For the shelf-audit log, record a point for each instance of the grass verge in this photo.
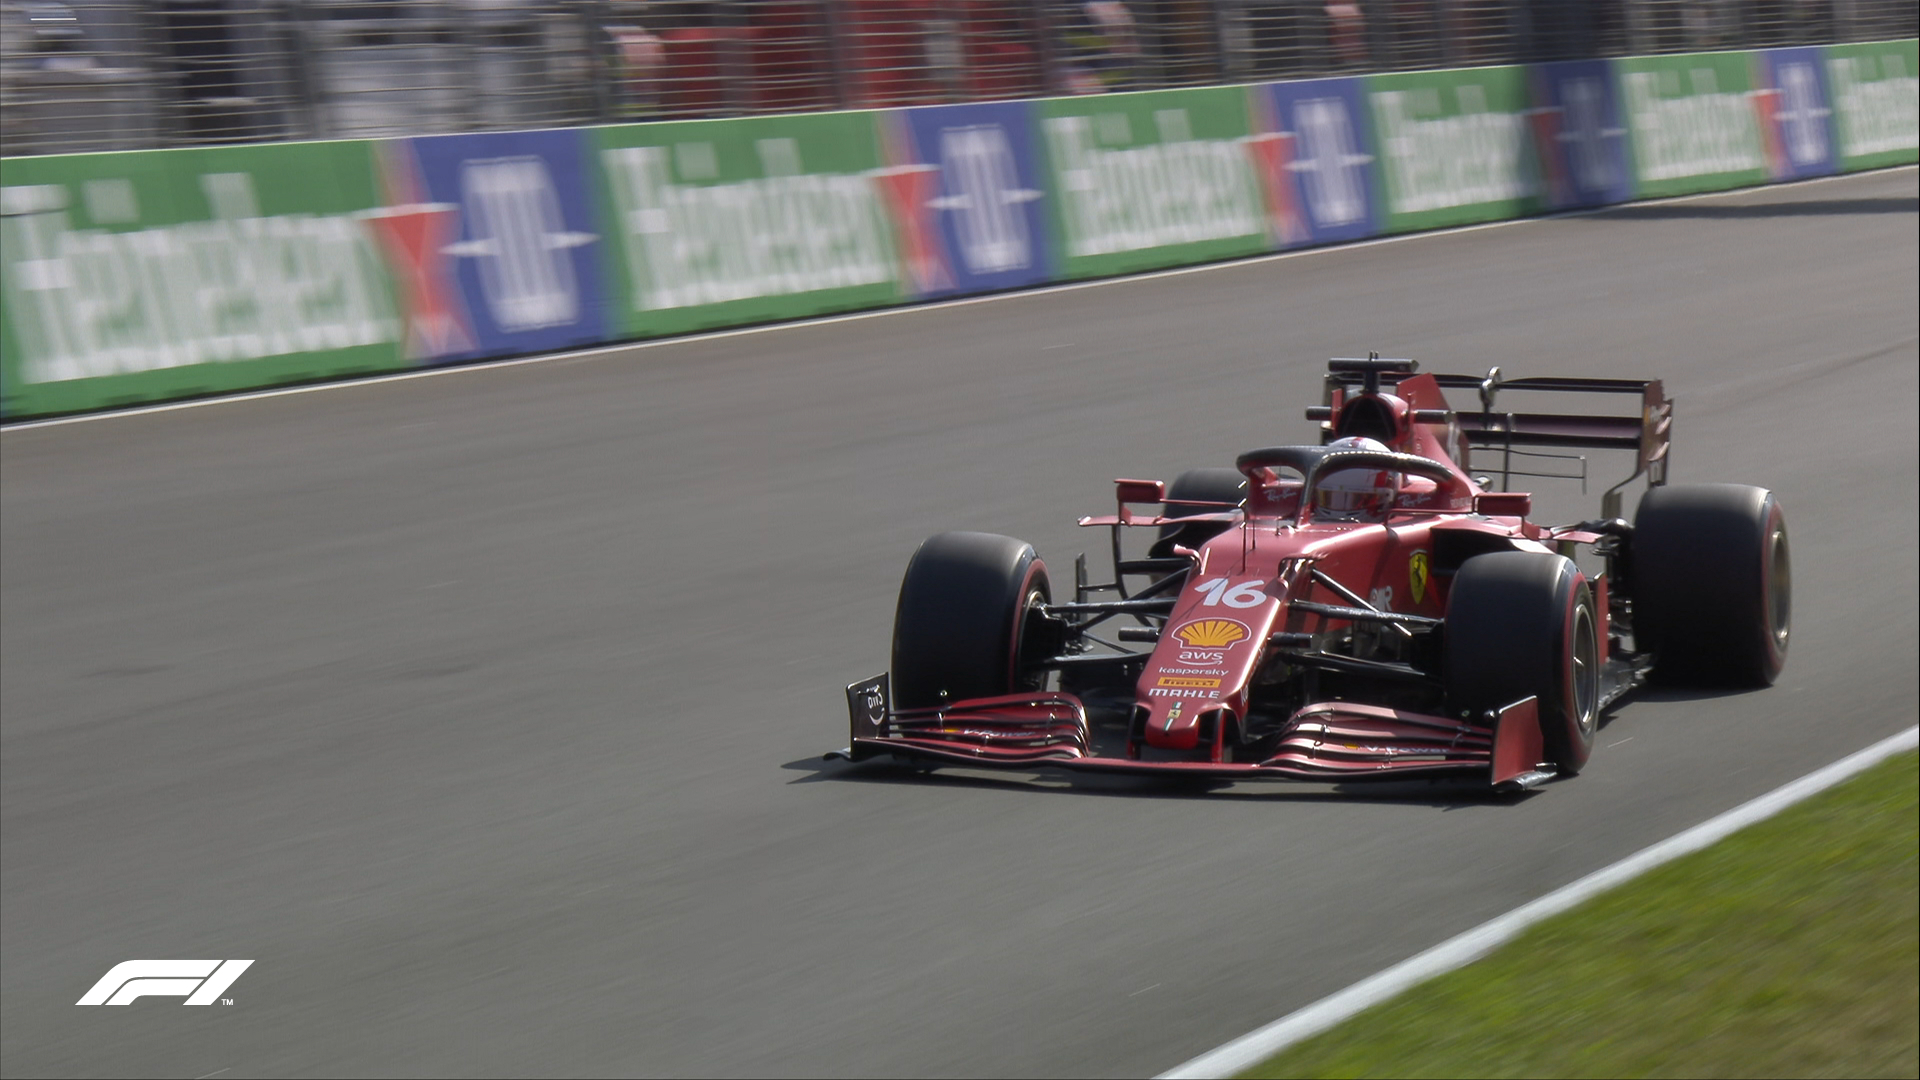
(1792, 948)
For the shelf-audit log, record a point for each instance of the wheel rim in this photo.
(1036, 598)
(1586, 670)
(1779, 588)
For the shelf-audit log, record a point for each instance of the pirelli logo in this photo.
(1185, 682)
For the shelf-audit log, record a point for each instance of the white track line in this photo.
(1256, 1046)
(908, 308)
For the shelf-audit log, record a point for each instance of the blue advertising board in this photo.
(1582, 139)
(1796, 112)
(981, 223)
(1320, 140)
(516, 243)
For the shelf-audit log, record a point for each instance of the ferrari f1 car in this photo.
(1372, 607)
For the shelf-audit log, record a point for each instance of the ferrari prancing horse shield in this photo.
(1417, 576)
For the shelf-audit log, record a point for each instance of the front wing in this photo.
(1337, 741)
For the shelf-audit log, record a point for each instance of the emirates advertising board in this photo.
(139, 277)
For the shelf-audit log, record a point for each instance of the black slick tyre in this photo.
(967, 604)
(1712, 584)
(1198, 491)
(1521, 624)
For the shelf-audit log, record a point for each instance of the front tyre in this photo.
(1712, 583)
(1521, 624)
(967, 618)
(1199, 491)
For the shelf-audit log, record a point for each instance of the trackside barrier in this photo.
(153, 275)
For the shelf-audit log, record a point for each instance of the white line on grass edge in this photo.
(1256, 1046)
(597, 352)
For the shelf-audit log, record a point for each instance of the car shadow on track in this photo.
(1741, 212)
(1438, 794)
(1658, 693)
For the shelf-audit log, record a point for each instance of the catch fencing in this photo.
(90, 75)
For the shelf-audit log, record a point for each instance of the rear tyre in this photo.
(968, 606)
(1712, 583)
(1201, 486)
(1521, 624)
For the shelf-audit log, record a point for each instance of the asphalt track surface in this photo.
(483, 712)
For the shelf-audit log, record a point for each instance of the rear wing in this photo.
(1647, 432)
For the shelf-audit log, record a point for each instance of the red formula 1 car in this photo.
(1361, 609)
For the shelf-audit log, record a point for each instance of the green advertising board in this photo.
(1455, 147)
(1144, 180)
(1876, 102)
(725, 222)
(165, 274)
(1692, 122)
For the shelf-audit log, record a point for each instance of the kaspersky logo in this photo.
(1212, 633)
(201, 982)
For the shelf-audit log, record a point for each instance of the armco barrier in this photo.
(153, 275)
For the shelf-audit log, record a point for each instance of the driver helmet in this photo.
(1355, 494)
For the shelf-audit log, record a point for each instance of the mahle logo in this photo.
(201, 982)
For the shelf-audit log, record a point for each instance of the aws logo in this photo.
(1212, 633)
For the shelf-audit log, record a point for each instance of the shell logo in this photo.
(1212, 633)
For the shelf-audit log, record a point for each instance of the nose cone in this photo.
(1174, 724)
